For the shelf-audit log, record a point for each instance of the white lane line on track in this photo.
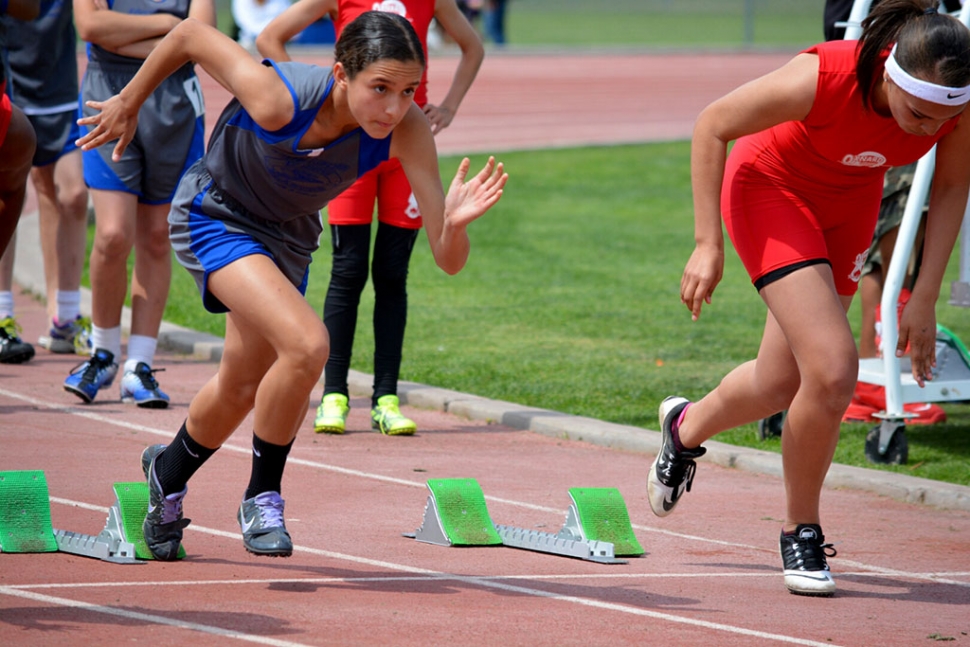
(388, 479)
(471, 580)
(386, 579)
(145, 617)
(292, 460)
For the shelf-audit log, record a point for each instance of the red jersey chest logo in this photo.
(870, 159)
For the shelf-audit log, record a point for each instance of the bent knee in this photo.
(307, 355)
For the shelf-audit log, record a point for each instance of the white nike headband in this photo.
(921, 89)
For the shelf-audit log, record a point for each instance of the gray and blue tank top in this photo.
(43, 59)
(267, 173)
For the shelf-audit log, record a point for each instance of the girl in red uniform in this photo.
(399, 219)
(800, 195)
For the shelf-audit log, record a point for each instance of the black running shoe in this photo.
(163, 524)
(263, 530)
(803, 554)
(672, 471)
(13, 349)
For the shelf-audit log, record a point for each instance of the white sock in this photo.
(108, 339)
(68, 305)
(140, 349)
(6, 304)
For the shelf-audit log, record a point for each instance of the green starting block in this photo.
(600, 514)
(456, 515)
(25, 513)
(597, 526)
(25, 522)
(131, 508)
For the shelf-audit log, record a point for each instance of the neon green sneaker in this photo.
(332, 414)
(387, 418)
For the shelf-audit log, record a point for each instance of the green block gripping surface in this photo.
(603, 517)
(25, 513)
(463, 513)
(133, 506)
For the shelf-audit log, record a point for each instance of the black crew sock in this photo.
(180, 460)
(269, 460)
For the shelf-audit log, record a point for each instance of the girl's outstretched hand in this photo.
(466, 201)
(115, 120)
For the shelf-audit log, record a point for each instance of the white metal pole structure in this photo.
(960, 289)
(897, 268)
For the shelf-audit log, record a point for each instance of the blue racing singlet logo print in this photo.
(870, 159)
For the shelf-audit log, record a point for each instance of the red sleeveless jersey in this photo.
(418, 12)
(841, 145)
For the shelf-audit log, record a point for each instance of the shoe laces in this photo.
(92, 367)
(679, 466)
(334, 406)
(172, 506)
(147, 377)
(10, 328)
(812, 552)
(389, 410)
(82, 334)
(270, 506)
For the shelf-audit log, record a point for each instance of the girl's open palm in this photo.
(115, 120)
(466, 201)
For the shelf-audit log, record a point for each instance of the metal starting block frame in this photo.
(110, 545)
(456, 515)
(25, 522)
(546, 542)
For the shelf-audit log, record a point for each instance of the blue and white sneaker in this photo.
(87, 378)
(263, 531)
(140, 387)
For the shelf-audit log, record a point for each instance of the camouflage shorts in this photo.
(895, 192)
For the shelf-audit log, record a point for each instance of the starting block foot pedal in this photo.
(132, 506)
(25, 513)
(546, 542)
(456, 515)
(600, 515)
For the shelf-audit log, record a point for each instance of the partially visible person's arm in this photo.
(201, 10)
(259, 88)
(446, 218)
(948, 203)
(453, 21)
(786, 94)
(112, 29)
(271, 42)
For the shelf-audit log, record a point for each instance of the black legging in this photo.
(392, 254)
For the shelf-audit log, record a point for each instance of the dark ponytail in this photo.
(376, 35)
(931, 46)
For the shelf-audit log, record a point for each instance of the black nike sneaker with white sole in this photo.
(672, 471)
(803, 554)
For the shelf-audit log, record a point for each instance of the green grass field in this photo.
(652, 23)
(570, 302)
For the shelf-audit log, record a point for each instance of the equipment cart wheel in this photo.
(887, 444)
(771, 426)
